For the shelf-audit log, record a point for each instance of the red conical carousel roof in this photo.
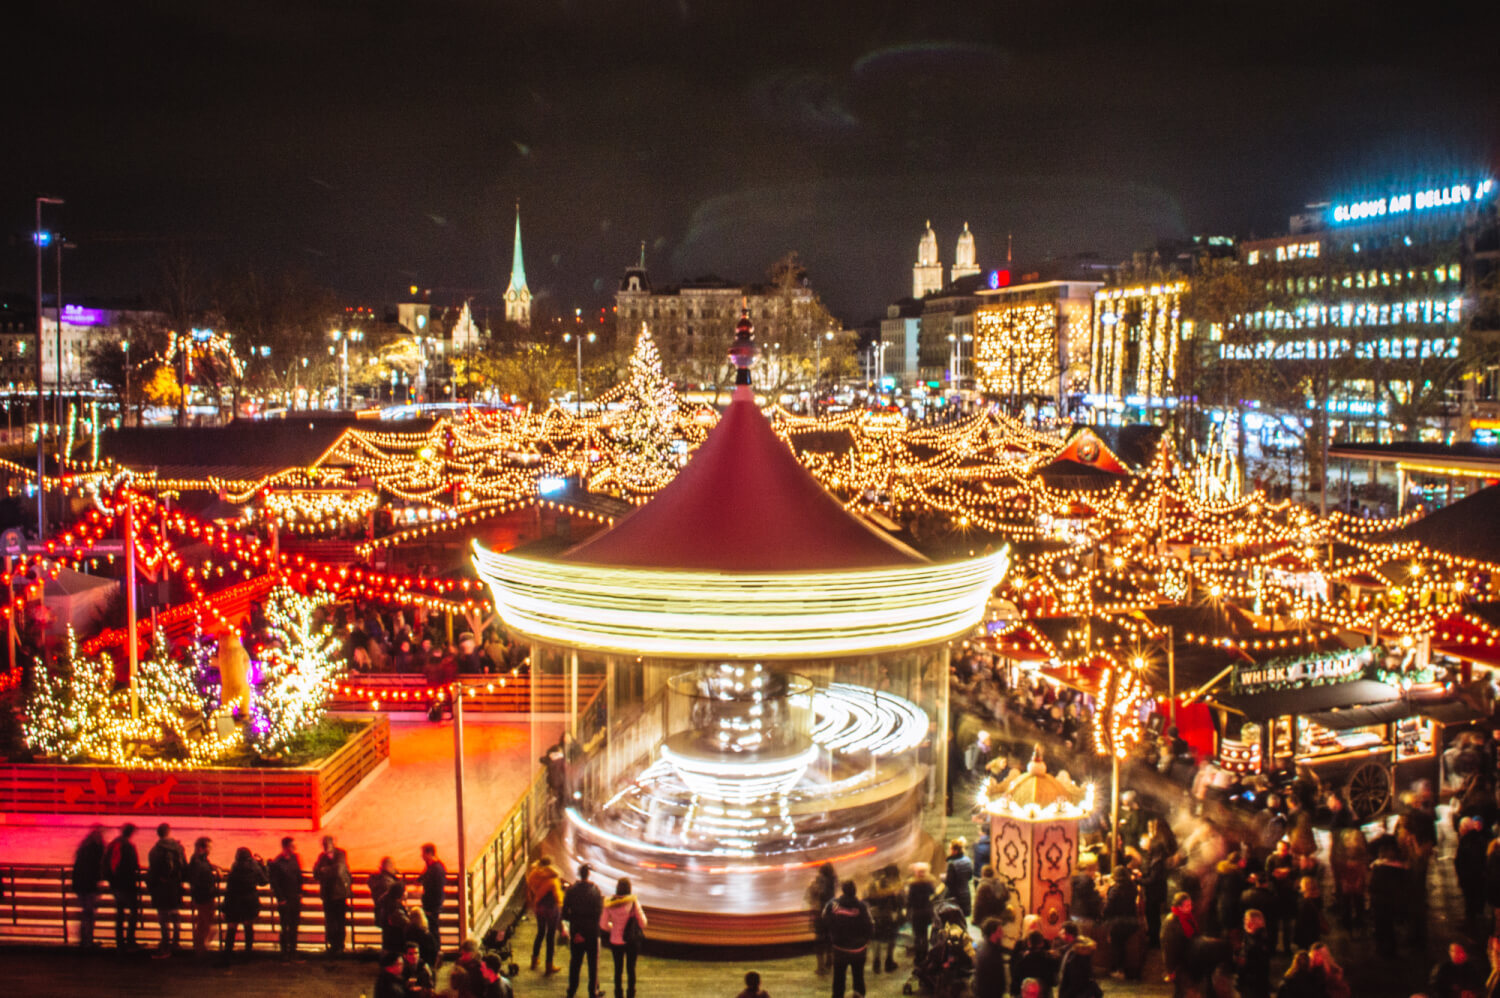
(743, 504)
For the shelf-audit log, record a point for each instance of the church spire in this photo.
(518, 295)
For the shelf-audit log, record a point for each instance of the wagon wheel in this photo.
(1368, 790)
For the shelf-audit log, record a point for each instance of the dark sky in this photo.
(376, 144)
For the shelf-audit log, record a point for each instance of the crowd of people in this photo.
(234, 899)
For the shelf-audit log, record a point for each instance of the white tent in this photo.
(76, 599)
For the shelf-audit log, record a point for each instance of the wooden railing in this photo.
(487, 692)
(296, 792)
(39, 906)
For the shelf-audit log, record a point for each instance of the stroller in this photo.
(949, 964)
(497, 941)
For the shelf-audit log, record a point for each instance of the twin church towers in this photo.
(927, 275)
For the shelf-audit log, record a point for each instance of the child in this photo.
(752, 987)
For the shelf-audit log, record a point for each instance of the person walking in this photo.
(921, 890)
(1468, 864)
(884, 900)
(959, 878)
(335, 889)
(247, 875)
(581, 909)
(1389, 895)
(203, 892)
(166, 869)
(849, 929)
(544, 894)
(1121, 913)
(88, 864)
(285, 872)
(824, 886)
(1178, 930)
(122, 869)
(434, 881)
(624, 923)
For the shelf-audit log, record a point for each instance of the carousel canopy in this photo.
(744, 504)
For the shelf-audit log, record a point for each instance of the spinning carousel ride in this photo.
(774, 678)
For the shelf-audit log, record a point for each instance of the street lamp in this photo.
(818, 367)
(578, 339)
(125, 416)
(41, 239)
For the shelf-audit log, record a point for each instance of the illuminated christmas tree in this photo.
(646, 431)
(296, 670)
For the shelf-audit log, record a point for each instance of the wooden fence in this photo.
(39, 907)
(297, 793)
(499, 866)
(489, 692)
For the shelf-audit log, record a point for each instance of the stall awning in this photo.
(1311, 700)
(1363, 717)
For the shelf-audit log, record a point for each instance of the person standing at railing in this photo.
(434, 881)
(335, 888)
(203, 891)
(544, 893)
(285, 872)
(122, 868)
(166, 868)
(242, 898)
(582, 907)
(88, 864)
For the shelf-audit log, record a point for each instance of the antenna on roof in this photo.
(1008, 237)
(643, 254)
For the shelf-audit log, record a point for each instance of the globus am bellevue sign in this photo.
(1412, 201)
(1283, 674)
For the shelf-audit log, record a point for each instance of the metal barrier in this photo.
(40, 907)
(499, 867)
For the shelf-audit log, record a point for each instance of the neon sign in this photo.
(77, 315)
(1412, 201)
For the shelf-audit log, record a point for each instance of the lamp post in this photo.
(818, 367)
(125, 415)
(578, 338)
(41, 239)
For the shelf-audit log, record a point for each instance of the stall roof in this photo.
(1310, 700)
(1464, 529)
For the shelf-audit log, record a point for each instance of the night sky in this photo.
(376, 144)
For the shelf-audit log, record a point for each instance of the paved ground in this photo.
(406, 803)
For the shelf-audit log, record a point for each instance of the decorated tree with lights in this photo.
(297, 668)
(647, 429)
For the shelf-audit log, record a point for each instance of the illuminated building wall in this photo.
(1137, 333)
(1032, 340)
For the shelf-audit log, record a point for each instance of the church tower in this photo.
(963, 256)
(927, 275)
(518, 295)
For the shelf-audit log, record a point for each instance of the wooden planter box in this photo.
(290, 795)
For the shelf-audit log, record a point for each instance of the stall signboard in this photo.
(1299, 672)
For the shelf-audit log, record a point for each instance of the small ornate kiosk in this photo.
(1034, 819)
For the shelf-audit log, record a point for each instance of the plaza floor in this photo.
(405, 803)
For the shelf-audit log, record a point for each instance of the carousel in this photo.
(773, 675)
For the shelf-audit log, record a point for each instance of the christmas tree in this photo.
(647, 430)
(297, 669)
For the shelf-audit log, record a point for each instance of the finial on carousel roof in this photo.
(742, 353)
(1038, 764)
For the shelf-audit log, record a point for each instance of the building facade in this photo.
(1032, 340)
(518, 295)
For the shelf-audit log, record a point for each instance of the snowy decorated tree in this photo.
(297, 668)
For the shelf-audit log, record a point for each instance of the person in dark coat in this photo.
(1252, 958)
(1309, 922)
(582, 908)
(434, 882)
(388, 984)
(203, 891)
(1161, 848)
(1178, 930)
(1456, 976)
(88, 865)
(1260, 897)
(849, 929)
(824, 886)
(1389, 886)
(418, 934)
(989, 897)
(1075, 967)
(1032, 960)
(990, 959)
(416, 973)
(388, 895)
(920, 890)
(166, 871)
(241, 905)
(335, 890)
(1281, 877)
(960, 876)
(1469, 865)
(1120, 912)
(1227, 891)
(285, 872)
(884, 900)
(122, 869)
(1300, 980)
